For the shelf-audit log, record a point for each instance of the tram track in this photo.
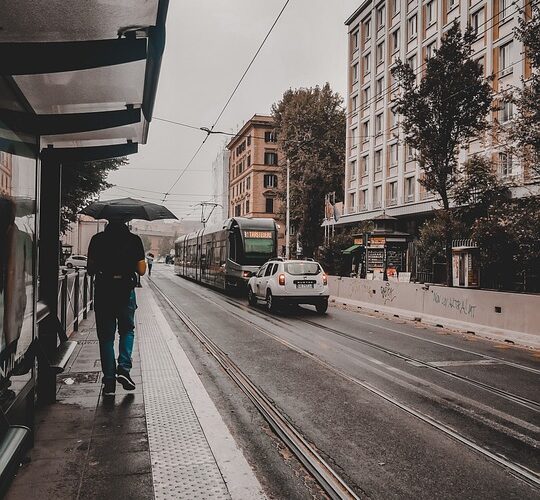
(514, 468)
(522, 401)
(331, 482)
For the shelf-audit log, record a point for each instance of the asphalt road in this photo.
(398, 409)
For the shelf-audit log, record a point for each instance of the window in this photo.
(367, 95)
(354, 40)
(378, 160)
(270, 136)
(249, 140)
(366, 59)
(380, 53)
(411, 61)
(504, 8)
(247, 206)
(270, 158)
(270, 181)
(409, 189)
(505, 65)
(410, 153)
(365, 130)
(354, 103)
(478, 21)
(412, 26)
(379, 87)
(248, 182)
(352, 201)
(394, 118)
(355, 72)
(505, 164)
(482, 64)
(380, 17)
(378, 124)
(363, 199)
(367, 29)
(392, 193)
(249, 160)
(377, 197)
(395, 6)
(430, 50)
(506, 112)
(354, 135)
(452, 4)
(269, 207)
(395, 40)
(393, 154)
(353, 169)
(237, 210)
(364, 165)
(431, 13)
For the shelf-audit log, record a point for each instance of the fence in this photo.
(75, 298)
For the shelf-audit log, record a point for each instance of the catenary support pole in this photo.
(288, 215)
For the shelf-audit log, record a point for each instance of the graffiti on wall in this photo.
(388, 293)
(462, 306)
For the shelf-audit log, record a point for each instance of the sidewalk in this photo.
(163, 440)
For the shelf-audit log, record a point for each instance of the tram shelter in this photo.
(76, 84)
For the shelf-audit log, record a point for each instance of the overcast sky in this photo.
(209, 44)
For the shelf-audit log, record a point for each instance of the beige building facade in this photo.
(254, 173)
(381, 173)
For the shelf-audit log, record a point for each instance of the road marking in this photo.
(471, 362)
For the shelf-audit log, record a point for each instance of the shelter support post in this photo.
(49, 267)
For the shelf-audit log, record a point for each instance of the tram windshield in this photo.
(259, 246)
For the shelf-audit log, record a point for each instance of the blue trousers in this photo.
(107, 319)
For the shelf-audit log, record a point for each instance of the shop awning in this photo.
(351, 249)
(87, 75)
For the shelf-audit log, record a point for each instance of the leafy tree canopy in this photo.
(310, 124)
(81, 182)
(442, 113)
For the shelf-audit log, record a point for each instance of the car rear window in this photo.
(297, 268)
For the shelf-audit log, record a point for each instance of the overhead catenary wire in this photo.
(229, 99)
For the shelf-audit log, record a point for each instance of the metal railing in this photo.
(75, 298)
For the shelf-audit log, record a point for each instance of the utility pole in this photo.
(288, 213)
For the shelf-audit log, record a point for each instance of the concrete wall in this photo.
(467, 309)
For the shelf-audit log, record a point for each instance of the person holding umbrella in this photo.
(116, 258)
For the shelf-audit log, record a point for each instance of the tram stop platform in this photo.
(165, 440)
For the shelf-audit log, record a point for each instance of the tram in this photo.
(225, 257)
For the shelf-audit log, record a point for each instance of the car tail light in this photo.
(246, 274)
(281, 279)
(324, 279)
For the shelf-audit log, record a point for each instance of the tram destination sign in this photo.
(258, 234)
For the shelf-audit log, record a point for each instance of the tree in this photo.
(443, 113)
(81, 182)
(310, 125)
(525, 129)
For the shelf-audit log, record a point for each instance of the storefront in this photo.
(75, 85)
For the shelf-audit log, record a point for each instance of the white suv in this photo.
(76, 261)
(284, 282)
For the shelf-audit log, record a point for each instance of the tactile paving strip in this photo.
(183, 465)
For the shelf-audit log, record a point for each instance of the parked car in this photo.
(289, 282)
(76, 261)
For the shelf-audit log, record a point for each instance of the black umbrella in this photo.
(127, 209)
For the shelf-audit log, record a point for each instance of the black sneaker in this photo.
(123, 378)
(109, 388)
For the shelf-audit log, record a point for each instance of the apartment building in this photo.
(5, 174)
(380, 171)
(220, 187)
(254, 176)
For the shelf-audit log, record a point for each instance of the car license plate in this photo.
(304, 285)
